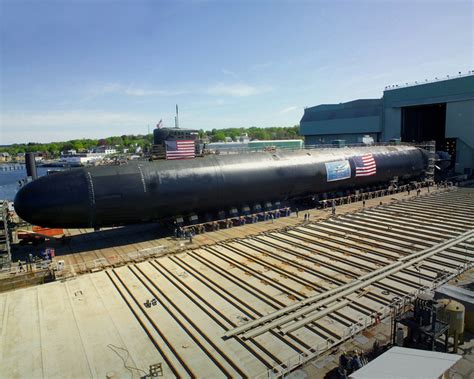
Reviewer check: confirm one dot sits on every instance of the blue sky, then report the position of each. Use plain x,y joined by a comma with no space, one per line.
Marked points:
91,69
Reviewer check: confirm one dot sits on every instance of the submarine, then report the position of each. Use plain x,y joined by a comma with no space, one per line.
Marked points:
144,191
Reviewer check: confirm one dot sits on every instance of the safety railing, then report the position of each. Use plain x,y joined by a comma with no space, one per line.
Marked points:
244,150
398,305
109,261
427,81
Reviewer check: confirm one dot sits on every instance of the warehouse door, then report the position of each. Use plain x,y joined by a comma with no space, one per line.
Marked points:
424,123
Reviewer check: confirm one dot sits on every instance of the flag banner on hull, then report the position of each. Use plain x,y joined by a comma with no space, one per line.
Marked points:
338,170
365,165
181,149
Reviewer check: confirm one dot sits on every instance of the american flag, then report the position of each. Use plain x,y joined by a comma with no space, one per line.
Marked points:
181,149
365,165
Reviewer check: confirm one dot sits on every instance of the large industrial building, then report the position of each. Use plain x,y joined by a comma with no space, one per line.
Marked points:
442,110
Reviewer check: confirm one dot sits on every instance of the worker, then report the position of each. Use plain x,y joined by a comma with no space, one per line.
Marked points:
297,212
342,372
273,217
333,208
418,191
375,348
363,203
343,361
356,363
377,318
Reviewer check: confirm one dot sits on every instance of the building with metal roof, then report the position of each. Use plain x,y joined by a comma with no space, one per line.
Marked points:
442,110
401,362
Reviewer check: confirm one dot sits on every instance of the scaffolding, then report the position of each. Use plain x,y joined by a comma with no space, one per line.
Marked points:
430,147
5,250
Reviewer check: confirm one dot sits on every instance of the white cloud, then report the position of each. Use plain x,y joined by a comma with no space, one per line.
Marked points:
230,73
151,92
68,118
236,89
221,89
261,66
131,90
289,109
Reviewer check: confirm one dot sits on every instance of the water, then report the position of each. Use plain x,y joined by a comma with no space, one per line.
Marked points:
9,181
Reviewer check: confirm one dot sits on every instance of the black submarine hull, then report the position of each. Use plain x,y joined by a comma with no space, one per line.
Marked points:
144,191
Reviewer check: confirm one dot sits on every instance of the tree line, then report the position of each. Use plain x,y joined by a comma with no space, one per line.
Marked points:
286,132
54,149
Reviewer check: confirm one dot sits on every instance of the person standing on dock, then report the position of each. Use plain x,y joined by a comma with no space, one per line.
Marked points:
333,208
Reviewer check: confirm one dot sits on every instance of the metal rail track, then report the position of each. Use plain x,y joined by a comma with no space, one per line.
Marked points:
316,273
291,293
296,311
113,277
237,302
373,248
309,255
288,275
198,336
206,306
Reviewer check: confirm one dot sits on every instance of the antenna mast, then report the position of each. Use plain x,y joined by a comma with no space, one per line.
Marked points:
176,119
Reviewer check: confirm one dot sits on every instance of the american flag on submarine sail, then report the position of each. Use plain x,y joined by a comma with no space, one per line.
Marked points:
181,149
365,165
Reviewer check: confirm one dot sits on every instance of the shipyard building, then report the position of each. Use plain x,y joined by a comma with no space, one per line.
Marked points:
442,110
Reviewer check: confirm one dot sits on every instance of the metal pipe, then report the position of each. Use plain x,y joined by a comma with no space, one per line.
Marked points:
30,164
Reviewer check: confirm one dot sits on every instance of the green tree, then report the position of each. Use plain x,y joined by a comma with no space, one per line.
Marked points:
218,136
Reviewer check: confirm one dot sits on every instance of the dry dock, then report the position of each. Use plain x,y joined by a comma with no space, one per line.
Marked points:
244,307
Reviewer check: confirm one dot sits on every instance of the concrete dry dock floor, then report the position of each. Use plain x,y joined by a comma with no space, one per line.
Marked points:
174,309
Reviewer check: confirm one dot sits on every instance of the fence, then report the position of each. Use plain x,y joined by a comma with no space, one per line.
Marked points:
110,261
